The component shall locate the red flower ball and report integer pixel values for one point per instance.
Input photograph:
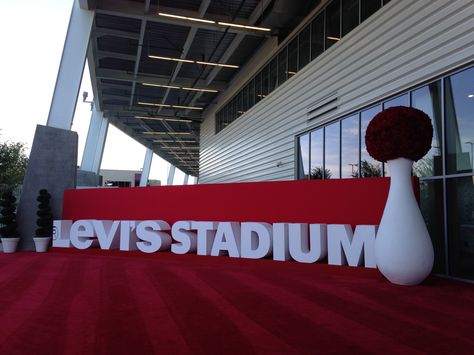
(399, 132)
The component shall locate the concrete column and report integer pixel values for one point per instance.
(171, 174)
(52, 166)
(71, 68)
(186, 179)
(95, 143)
(146, 167)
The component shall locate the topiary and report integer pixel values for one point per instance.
(399, 132)
(8, 216)
(45, 217)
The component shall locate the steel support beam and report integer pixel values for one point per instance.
(233, 47)
(171, 175)
(69, 77)
(146, 167)
(95, 143)
(132, 9)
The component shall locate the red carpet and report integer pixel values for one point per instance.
(125, 303)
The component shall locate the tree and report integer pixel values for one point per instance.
(369, 169)
(13, 162)
(317, 173)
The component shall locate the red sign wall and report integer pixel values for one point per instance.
(341, 201)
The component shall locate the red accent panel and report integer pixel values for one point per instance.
(352, 201)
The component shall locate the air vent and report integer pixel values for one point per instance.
(322, 107)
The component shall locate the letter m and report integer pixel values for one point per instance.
(345, 247)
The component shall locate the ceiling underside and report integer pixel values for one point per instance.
(167, 119)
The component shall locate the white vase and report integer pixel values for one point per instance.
(42, 244)
(403, 249)
(10, 244)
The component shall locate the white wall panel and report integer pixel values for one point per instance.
(402, 45)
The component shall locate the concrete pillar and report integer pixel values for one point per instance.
(171, 174)
(71, 68)
(94, 148)
(146, 167)
(186, 179)
(51, 166)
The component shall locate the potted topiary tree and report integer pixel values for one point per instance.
(44, 222)
(8, 231)
(403, 249)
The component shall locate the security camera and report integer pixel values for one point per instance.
(84, 96)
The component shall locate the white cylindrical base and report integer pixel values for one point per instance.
(10, 244)
(42, 244)
(403, 248)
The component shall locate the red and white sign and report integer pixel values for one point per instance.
(300, 220)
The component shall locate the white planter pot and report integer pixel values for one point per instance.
(403, 248)
(10, 244)
(42, 244)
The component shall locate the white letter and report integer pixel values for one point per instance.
(280, 242)
(347, 248)
(205, 236)
(128, 235)
(152, 240)
(61, 231)
(82, 234)
(107, 239)
(256, 240)
(187, 241)
(299, 242)
(227, 239)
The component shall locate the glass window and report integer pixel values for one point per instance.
(317, 36)
(282, 69)
(258, 87)
(225, 117)
(240, 108)
(431, 206)
(368, 7)
(331, 151)
(369, 167)
(252, 94)
(402, 100)
(350, 15)
(245, 99)
(233, 108)
(317, 154)
(428, 99)
(303, 157)
(293, 57)
(265, 80)
(218, 122)
(273, 75)
(460, 197)
(350, 147)
(333, 22)
(303, 57)
(459, 105)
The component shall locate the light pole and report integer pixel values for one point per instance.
(352, 168)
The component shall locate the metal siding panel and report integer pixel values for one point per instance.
(405, 43)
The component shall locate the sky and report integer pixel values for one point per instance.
(28, 71)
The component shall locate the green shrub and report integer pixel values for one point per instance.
(45, 217)
(8, 216)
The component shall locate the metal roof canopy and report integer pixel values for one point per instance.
(126, 32)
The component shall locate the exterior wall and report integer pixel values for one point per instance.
(403, 44)
(119, 175)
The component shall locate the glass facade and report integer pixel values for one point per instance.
(445, 172)
(337, 19)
